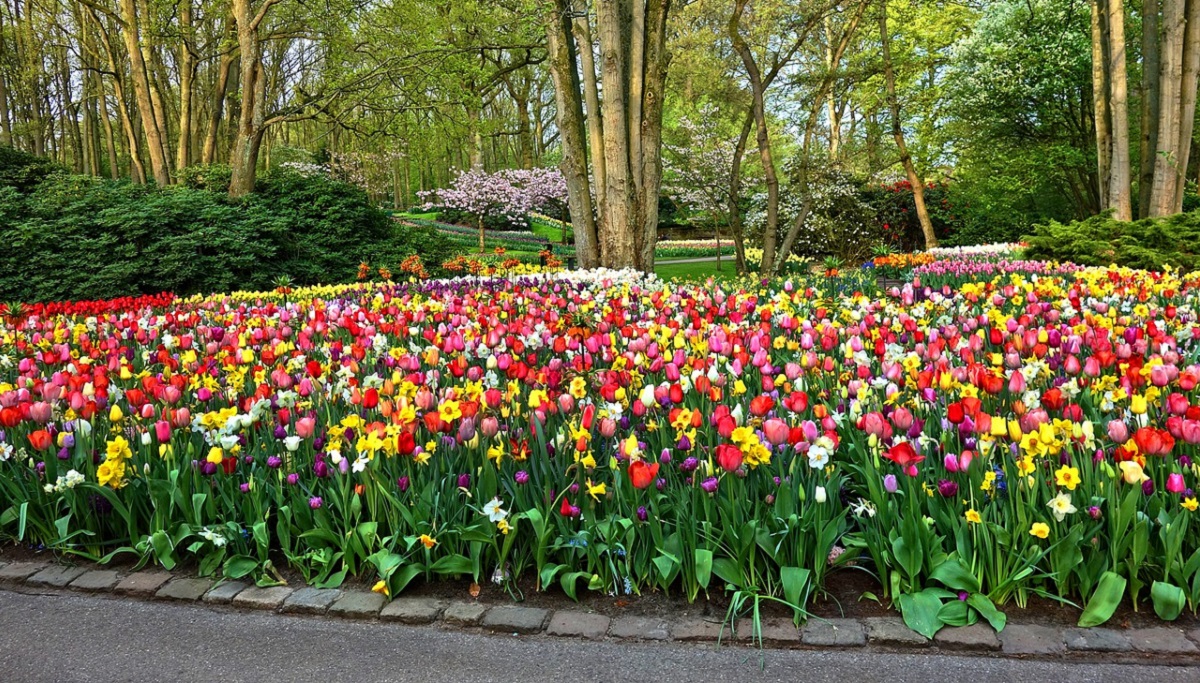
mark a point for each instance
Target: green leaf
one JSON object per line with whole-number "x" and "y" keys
{"x": 795, "y": 585}
{"x": 955, "y": 613}
{"x": 704, "y": 566}
{"x": 987, "y": 609}
{"x": 240, "y": 565}
{"x": 920, "y": 612}
{"x": 908, "y": 555}
{"x": 452, "y": 564}
{"x": 1169, "y": 600}
{"x": 402, "y": 577}
{"x": 164, "y": 552}
{"x": 1104, "y": 600}
{"x": 568, "y": 582}
{"x": 728, "y": 570}
{"x": 954, "y": 575}
{"x": 22, "y": 518}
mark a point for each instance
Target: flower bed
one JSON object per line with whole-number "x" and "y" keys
{"x": 969, "y": 446}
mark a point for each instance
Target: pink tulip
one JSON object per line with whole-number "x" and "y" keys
{"x": 162, "y": 430}
{"x": 305, "y": 427}
{"x": 1175, "y": 483}
{"x": 40, "y": 412}
{"x": 776, "y": 431}
{"x": 1118, "y": 431}
{"x": 902, "y": 419}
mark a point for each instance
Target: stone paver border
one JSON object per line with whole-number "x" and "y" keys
{"x": 1163, "y": 644}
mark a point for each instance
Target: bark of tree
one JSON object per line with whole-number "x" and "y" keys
{"x": 1162, "y": 201}
{"x": 624, "y": 128}
{"x": 187, "y": 78}
{"x": 1187, "y": 104}
{"x": 217, "y": 106}
{"x": 141, "y": 88}
{"x": 736, "y": 229}
{"x": 564, "y": 72}
{"x": 1149, "y": 97}
{"x": 1118, "y": 188}
{"x": 910, "y": 169}
{"x": 248, "y": 138}
{"x": 1100, "y": 92}
{"x": 762, "y": 135}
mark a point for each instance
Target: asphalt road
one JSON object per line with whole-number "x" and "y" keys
{"x": 63, "y": 638}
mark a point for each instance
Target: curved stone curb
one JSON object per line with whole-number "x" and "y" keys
{"x": 1160, "y": 644}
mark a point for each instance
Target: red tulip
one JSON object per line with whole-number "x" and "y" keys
{"x": 761, "y": 405}
{"x": 41, "y": 440}
{"x": 903, "y": 454}
{"x": 641, "y": 474}
{"x": 729, "y": 457}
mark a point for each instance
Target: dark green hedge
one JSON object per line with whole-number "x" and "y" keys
{"x": 1101, "y": 240}
{"x": 79, "y": 237}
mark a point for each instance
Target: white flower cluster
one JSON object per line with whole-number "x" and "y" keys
{"x": 67, "y": 481}
{"x": 1003, "y": 249}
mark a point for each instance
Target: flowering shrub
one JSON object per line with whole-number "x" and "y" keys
{"x": 968, "y": 445}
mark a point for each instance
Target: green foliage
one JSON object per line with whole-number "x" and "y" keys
{"x": 78, "y": 237}
{"x": 23, "y": 171}
{"x": 1150, "y": 243}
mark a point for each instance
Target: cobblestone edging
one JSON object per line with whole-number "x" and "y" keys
{"x": 1164, "y": 644}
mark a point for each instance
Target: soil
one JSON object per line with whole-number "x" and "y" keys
{"x": 849, "y": 593}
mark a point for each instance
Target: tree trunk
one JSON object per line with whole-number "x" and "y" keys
{"x": 1118, "y": 188}
{"x": 1100, "y": 92}
{"x": 582, "y": 33}
{"x": 1150, "y": 94}
{"x": 187, "y": 78}
{"x": 248, "y": 138}
{"x": 1166, "y": 174}
{"x": 1187, "y": 105}
{"x": 141, "y": 90}
{"x": 762, "y": 136}
{"x": 736, "y": 229}
{"x": 898, "y": 133}
{"x": 832, "y": 111}
{"x": 209, "y": 153}
{"x": 564, "y": 71}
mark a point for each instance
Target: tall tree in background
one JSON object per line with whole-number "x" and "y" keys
{"x": 1111, "y": 103}
{"x": 910, "y": 169}
{"x": 623, "y": 122}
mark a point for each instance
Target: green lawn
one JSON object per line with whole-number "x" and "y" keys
{"x": 547, "y": 231}
{"x": 696, "y": 271}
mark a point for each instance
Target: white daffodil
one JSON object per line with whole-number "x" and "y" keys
{"x": 494, "y": 511}
{"x": 1060, "y": 506}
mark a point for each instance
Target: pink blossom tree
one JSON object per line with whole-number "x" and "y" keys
{"x": 510, "y": 194}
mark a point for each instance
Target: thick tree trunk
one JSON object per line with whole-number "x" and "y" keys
{"x": 1150, "y": 94}
{"x": 1118, "y": 188}
{"x": 898, "y": 133}
{"x": 1187, "y": 105}
{"x": 1100, "y": 92}
{"x": 1162, "y": 200}
{"x": 142, "y": 94}
{"x": 187, "y": 79}
{"x": 582, "y": 34}
{"x": 248, "y": 138}
{"x": 568, "y": 98}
